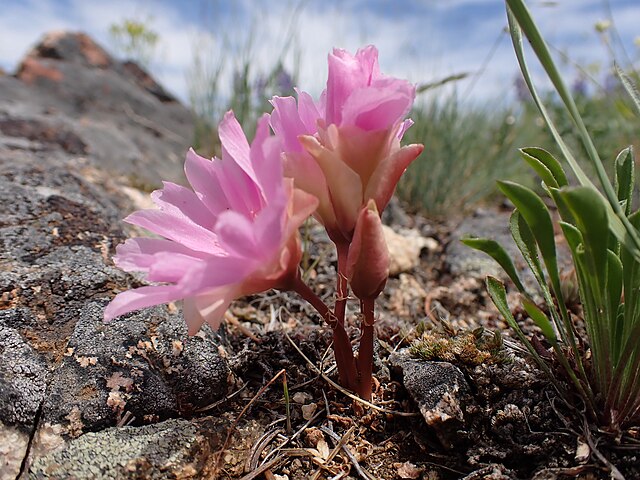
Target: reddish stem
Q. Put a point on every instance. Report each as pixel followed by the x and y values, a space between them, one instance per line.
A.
pixel 342 249
pixel 343 353
pixel 364 362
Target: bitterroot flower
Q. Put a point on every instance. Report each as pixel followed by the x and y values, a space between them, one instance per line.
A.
pixel 234 233
pixel 345 149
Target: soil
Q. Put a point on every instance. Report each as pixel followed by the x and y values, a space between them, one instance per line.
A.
pixel 513 425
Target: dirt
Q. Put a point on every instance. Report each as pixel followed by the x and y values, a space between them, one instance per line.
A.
pixel 513 424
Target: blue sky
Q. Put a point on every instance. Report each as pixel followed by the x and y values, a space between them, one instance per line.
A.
pixel 422 40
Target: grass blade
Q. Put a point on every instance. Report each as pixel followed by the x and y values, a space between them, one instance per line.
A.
pixel 498 295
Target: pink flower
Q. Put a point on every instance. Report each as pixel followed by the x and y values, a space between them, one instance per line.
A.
pixel 234 234
pixel 345 149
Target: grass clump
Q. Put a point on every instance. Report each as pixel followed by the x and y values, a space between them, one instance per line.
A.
pixel 467 149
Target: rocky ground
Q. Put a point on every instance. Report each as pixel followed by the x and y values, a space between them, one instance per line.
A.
pixel 83 137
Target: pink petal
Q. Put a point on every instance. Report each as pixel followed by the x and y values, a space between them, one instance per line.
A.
pixel 216 272
pixel 362 150
pixel 192 316
pixel 380 106
pixel 367 57
pixel 177 228
pixel 142 297
pixel 209 308
pixel 286 123
pixel 309 112
pixel 308 176
pixel 234 143
pixel 242 192
pixel 345 187
pixel 177 199
pixel 171 267
pixel 238 179
pixel 302 205
pixel 203 177
pixel 266 160
pixel 347 73
pixel 269 225
pixel 236 235
pixel 384 180
pixel 404 126
pixel 137 254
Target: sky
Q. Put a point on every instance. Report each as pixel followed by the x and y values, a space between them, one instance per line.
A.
pixel 421 40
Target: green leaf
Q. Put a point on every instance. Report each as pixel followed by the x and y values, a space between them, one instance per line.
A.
pixel 498 295
pixel 624 178
pixel 589 210
pixel 516 38
pixel 538 218
pixel 561 205
pixel 546 166
pixel 631 273
pixel 523 16
pixel 540 319
pixel 498 253
pixel 526 243
pixel 572 235
pixel 630 87
pixel 534 212
pixel 614 295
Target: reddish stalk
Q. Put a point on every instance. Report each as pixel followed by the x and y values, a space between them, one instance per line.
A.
pixel 364 362
pixel 342 249
pixel 343 353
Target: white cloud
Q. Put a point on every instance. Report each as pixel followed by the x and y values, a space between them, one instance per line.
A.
pixel 418 47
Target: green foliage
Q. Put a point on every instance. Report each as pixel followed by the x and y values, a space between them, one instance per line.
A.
pixel 466 149
pixel 608 276
pixel 602 232
pixel 135 40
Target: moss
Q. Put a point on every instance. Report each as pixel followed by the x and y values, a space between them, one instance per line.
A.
pixel 469 347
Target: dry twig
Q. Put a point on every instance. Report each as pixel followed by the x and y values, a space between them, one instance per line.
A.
pixel 364 474
pixel 341 444
pixel 344 390
pixel 235 422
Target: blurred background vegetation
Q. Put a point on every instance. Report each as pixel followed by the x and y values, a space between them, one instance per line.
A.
pixel 468 145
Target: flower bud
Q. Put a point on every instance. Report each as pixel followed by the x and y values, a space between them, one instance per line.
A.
pixel 368 259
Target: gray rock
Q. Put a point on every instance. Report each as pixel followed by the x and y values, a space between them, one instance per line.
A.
pixel 395 215
pixel 465 261
pixel 74 125
pixel 23 382
pixel 441 392
pixel 23 374
pixel 143 367
pixel 70 94
pixel 171 449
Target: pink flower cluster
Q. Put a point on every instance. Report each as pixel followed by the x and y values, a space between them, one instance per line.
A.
pixel 235 231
